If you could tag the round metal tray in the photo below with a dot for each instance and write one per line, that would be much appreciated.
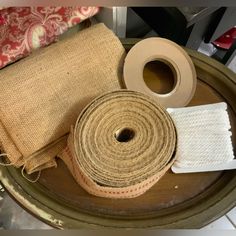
(176, 201)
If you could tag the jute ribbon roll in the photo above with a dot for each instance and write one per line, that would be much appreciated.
(122, 144)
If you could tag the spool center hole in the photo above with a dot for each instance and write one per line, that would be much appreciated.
(159, 76)
(124, 135)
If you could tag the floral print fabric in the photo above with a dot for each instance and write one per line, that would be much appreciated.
(23, 29)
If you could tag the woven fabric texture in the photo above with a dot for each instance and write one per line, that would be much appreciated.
(42, 95)
(204, 136)
(122, 144)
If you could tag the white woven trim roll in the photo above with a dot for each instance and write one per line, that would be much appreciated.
(204, 140)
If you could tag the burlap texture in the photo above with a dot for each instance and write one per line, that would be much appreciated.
(106, 159)
(42, 95)
(14, 154)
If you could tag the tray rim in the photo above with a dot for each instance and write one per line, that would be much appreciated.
(206, 212)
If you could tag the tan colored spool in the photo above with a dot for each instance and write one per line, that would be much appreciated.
(171, 54)
(108, 165)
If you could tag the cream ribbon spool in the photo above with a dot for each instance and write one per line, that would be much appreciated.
(175, 57)
(106, 164)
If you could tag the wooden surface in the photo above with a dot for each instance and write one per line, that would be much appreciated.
(176, 201)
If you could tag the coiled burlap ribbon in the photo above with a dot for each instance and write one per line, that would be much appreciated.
(122, 144)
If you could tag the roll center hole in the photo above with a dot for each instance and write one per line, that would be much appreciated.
(159, 76)
(124, 135)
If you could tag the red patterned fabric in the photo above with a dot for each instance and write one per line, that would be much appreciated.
(23, 29)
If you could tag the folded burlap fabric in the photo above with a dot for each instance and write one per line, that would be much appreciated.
(121, 145)
(42, 95)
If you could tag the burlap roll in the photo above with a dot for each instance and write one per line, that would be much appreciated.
(121, 145)
(42, 95)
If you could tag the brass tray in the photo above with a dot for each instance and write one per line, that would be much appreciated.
(176, 201)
